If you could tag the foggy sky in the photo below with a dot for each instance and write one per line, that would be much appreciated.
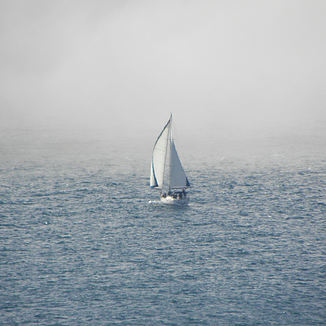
(222, 67)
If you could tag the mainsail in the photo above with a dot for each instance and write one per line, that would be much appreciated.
(166, 169)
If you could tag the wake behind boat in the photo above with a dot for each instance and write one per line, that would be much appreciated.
(167, 173)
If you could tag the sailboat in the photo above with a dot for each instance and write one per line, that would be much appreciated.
(167, 173)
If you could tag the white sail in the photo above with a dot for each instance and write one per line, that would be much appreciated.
(159, 157)
(166, 169)
(177, 176)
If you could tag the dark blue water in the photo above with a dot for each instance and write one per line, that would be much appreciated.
(80, 244)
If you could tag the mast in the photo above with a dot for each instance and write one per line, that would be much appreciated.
(167, 155)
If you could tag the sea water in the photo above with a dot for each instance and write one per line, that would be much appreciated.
(80, 244)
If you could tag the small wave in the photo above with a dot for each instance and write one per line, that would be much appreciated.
(155, 202)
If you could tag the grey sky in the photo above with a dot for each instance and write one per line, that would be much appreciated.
(222, 67)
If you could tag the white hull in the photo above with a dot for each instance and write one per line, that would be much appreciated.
(169, 200)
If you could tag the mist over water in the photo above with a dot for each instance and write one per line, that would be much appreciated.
(223, 68)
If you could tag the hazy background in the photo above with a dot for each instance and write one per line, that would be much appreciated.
(238, 74)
